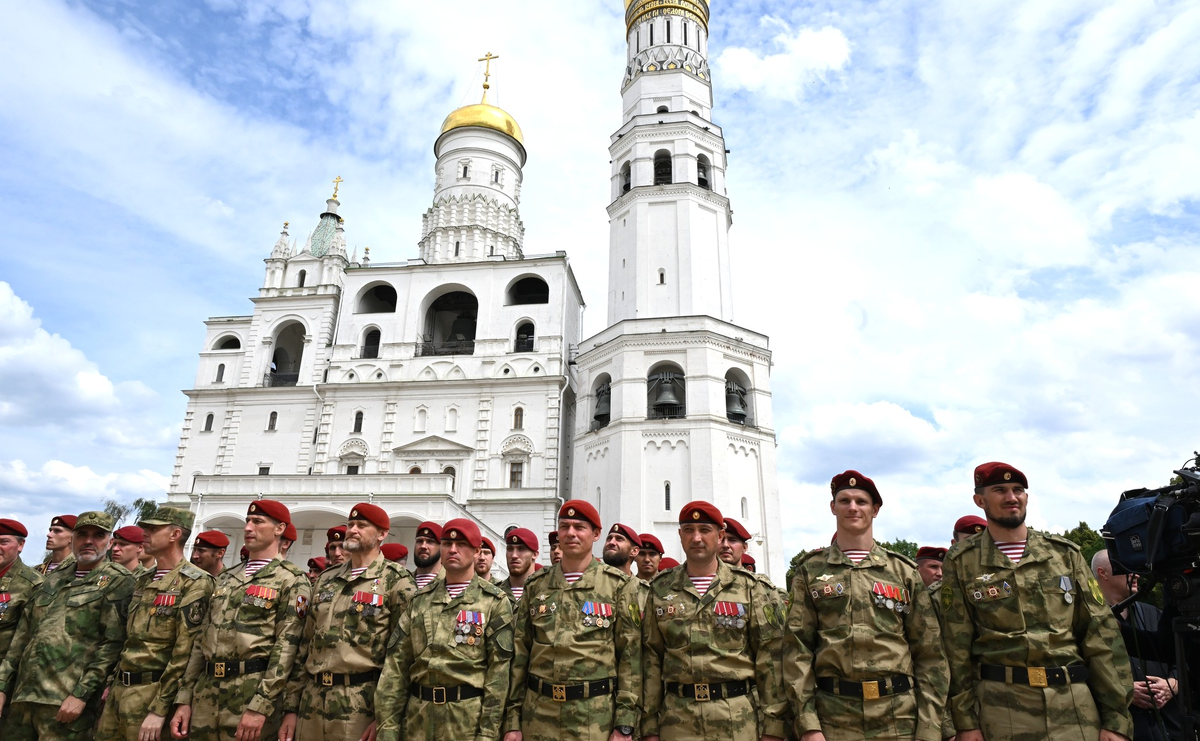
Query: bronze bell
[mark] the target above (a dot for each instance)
(603, 404)
(735, 404)
(666, 391)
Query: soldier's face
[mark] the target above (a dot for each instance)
(520, 559)
(483, 562)
(59, 537)
(854, 510)
(206, 558)
(1004, 504)
(158, 538)
(647, 561)
(261, 532)
(458, 555)
(126, 553)
(335, 553)
(618, 550)
(426, 552)
(361, 535)
(576, 537)
(931, 570)
(10, 549)
(89, 545)
(701, 541)
(555, 554)
(732, 549)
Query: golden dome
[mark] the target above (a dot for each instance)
(487, 116)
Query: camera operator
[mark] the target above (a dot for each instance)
(1155, 687)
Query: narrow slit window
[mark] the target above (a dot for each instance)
(667, 496)
(272, 421)
(668, 31)
(685, 34)
(208, 423)
(220, 373)
(518, 419)
(358, 420)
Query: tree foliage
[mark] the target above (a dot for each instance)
(140, 509)
(1088, 540)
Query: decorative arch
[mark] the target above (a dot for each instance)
(663, 169)
(370, 342)
(527, 289)
(288, 354)
(227, 342)
(602, 406)
(666, 391)
(450, 313)
(376, 298)
(739, 398)
(526, 336)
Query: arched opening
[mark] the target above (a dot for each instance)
(208, 423)
(415, 471)
(449, 471)
(220, 374)
(663, 109)
(666, 392)
(702, 168)
(525, 338)
(602, 391)
(450, 325)
(358, 420)
(738, 399)
(745, 509)
(272, 420)
(300, 278)
(289, 352)
(228, 343)
(626, 177)
(518, 419)
(378, 299)
(662, 167)
(531, 290)
(662, 277)
(370, 346)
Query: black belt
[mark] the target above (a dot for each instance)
(1035, 676)
(129, 679)
(703, 691)
(564, 692)
(225, 669)
(329, 679)
(873, 690)
(443, 695)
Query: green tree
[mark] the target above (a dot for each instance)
(903, 547)
(1088, 540)
(140, 508)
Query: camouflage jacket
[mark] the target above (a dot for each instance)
(242, 625)
(437, 644)
(553, 643)
(69, 637)
(345, 632)
(861, 622)
(43, 568)
(16, 587)
(734, 631)
(1039, 612)
(164, 619)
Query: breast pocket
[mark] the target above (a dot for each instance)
(996, 605)
(832, 603)
(81, 598)
(543, 622)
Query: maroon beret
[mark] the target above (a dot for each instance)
(701, 511)
(373, 514)
(552, 538)
(212, 539)
(522, 536)
(989, 474)
(130, 534)
(317, 563)
(429, 530)
(335, 534)
(67, 521)
(275, 510)
(538, 567)
(737, 530)
(667, 563)
(244, 553)
(970, 524)
(931, 552)
(12, 527)
(627, 532)
(747, 559)
(394, 552)
(289, 533)
(487, 543)
(577, 509)
(461, 528)
(855, 480)
(651, 543)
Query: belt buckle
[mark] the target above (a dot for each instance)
(436, 701)
(1037, 677)
(703, 693)
(127, 678)
(327, 679)
(558, 692)
(219, 669)
(870, 690)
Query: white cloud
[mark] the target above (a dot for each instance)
(805, 57)
(34, 495)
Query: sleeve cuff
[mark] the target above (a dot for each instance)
(625, 717)
(774, 727)
(260, 704)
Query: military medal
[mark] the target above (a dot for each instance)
(1064, 583)
(367, 603)
(468, 626)
(261, 596)
(604, 611)
(164, 601)
(5, 598)
(588, 609)
(730, 614)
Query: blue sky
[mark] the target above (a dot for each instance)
(970, 230)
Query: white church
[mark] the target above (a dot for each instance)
(457, 384)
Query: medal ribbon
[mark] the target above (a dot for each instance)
(5, 597)
(606, 610)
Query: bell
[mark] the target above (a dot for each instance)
(666, 391)
(463, 328)
(735, 406)
(603, 405)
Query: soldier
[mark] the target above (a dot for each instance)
(748, 563)
(555, 552)
(966, 526)
(164, 617)
(666, 563)
(127, 545)
(58, 542)
(290, 536)
(355, 608)
(396, 553)
(735, 542)
(448, 665)
(483, 561)
(621, 547)
(1033, 653)
(863, 656)
(237, 675)
(68, 641)
(713, 634)
(929, 565)
(427, 553)
(521, 554)
(577, 667)
(18, 582)
(649, 554)
(208, 552)
(147, 562)
(316, 566)
(335, 554)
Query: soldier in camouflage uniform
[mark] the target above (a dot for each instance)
(713, 635)
(555, 553)
(58, 542)
(164, 618)
(355, 608)
(863, 656)
(127, 545)
(17, 583)
(1033, 654)
(521, 550)
(236, 678)
(67, 642)
(448, 666)
(577, 670)
(649, 554)
(335, 550)
(208, 551)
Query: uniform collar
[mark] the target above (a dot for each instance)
(374, 570)
(470, 594)
(1035, 550)
(876, 557)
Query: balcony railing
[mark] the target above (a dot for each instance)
(452, 347)
(523, 345)
(280, 379)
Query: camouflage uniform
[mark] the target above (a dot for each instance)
(733, 634)
(66, 644)
(935, 591)
(255, 619)
(1037, 613)
(346, 634)
(16, 588)
(554, 644)
(164, 619)
(436, 645)
(67, 564)
(862, 623)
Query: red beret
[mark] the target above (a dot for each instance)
(627, 532)
(462, 529)
(289, 533)
(931, 552)
(429, 530)
(394, 552)
(522, 536)
(701, 511)
(988, 474)
(67, 521)
(212, 539)
(747, 559)
(552, 537)
(130, 534)
(275, 510)
(577, 509)
(244, 553)
(649, 542)
(12, 527)
(487, 543)
(335, 534)
(317, 563)
(737, 530)
(667, 563)
(970, 524)
(538, 567)
(373, 514)
(855, 480)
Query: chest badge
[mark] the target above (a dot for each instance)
(824, 577)
(730, 614)
(1064, 583)
(468, 627)
(985, 578)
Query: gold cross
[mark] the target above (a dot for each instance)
(336, 184)
(487, 71)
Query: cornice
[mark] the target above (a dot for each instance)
(674, 190)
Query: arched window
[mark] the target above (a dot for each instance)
(419, 420)
(208, 423)
(380, 299)
(414, 471)
(663, 109)
(272, 420)
(370, 348)
(358, 420)
(220, 374)
(662, 167)
(745, 509)
(300, 278)
(626, 177)
(525, 338)
(603, 393)
(662, 277)
(531, 290)
(229, 343)
(518, 419)
(666, 392)
(466, 170)
(450, 325)
(449, 471)
(287, 357)
(667, 496)
(702, 172)
(739, 402)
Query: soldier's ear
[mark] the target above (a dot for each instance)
(978, 497)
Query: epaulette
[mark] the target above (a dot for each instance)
(614, 571)
(296, 570)
(962, 546)
(492, 589)
(120, 569)
(933, 588)
(29, 574)
(762, 579)
(1061, 539)
(660, 575)
(536, 575)
(902, 557)
(191, 571)
(393, 566)
(804, 557)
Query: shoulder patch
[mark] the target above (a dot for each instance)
(1060, 540)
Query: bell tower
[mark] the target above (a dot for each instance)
(674, 399)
